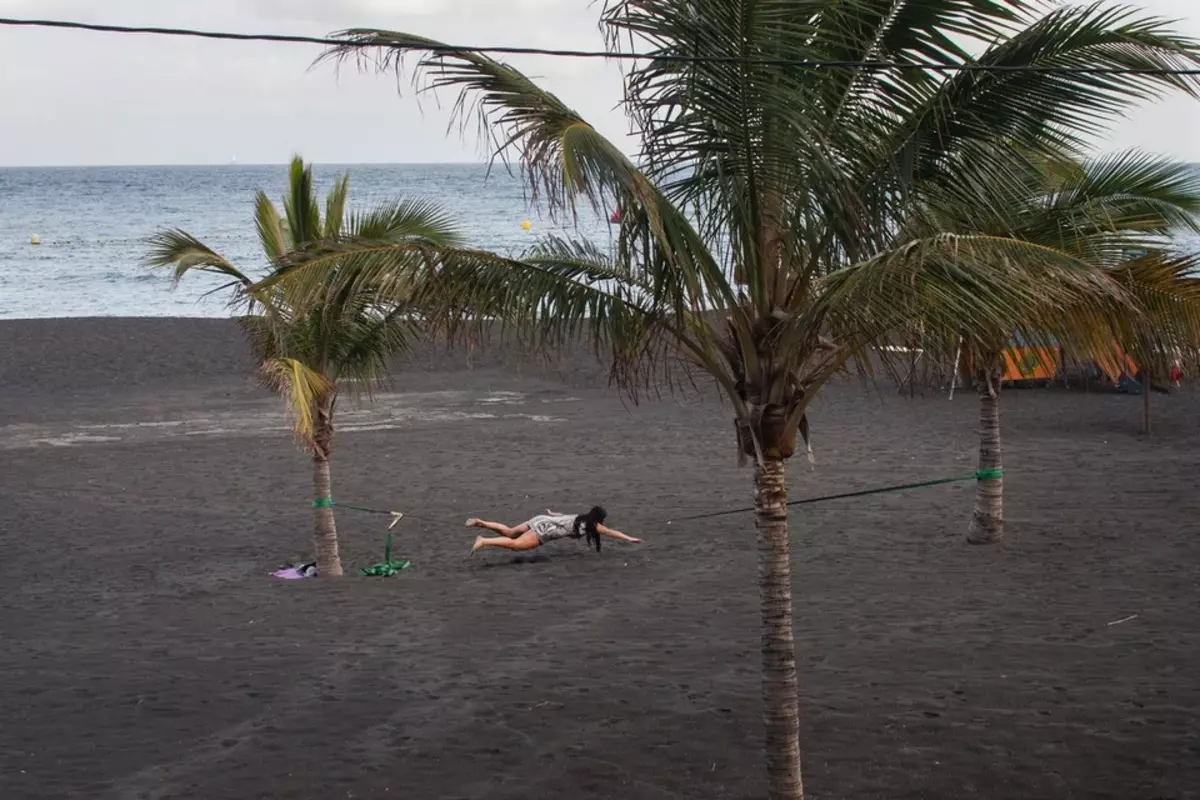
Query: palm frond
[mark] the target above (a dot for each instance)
(560, 292)
(300, 205)
(1166, 292)
(402, 220)
(524, 112)
(1049, 109)
(984, 287)
(273, 237)
(179, 249)
(718, 128)
(1129, 192)
(301, 387)
(564, 159)
(555, 294)
(1097, 209)
(367, 342)
(263, 336)
(335, 208)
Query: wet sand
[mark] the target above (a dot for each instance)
(150, 487)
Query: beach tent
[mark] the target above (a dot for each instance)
(1026, 362)
(1116, 364)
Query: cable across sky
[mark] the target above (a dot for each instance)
(449, 49)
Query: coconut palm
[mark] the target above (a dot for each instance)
(759, 237)
(339, 340)
(1096, 211)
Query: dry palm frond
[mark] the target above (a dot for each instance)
(302, 388)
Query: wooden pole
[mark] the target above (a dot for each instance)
(1146, 384)
(912, 373)
(957, 356)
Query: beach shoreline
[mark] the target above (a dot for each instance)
(152, 485)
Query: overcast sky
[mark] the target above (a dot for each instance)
(89, 98)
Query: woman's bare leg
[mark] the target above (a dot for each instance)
(499, 527)
(525, 541)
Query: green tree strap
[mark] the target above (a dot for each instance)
(989, 474)
(323, 502)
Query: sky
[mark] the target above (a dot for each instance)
(76, 98)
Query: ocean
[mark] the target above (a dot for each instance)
(93, 223)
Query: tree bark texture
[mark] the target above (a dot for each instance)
(781, 713)
(987, 522)
(325, 541)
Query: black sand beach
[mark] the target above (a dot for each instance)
(150, 487)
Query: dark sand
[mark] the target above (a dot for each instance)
(149, 487)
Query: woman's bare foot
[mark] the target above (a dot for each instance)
(478, 545)
(472, 522)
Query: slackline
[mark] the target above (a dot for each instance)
(980, 475)
(327, 502)
(983, 474)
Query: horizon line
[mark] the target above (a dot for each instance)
(252, 164)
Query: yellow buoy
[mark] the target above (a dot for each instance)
(35, 239)
(526, 225)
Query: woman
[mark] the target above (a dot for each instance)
(546, 528)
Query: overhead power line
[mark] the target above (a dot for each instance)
(449, 49)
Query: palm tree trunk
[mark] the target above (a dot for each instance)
(781, 714)
(325, 542)
(987, 523)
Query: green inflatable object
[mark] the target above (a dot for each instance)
(386, 568)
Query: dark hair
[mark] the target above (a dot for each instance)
(588, 522)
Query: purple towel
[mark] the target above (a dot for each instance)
(296, 572)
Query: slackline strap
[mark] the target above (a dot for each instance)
(981, 475)
(327, 502)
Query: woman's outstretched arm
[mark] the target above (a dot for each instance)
(605, 531)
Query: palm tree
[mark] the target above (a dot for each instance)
(1095, 211)
(759, 238)
(340, 340)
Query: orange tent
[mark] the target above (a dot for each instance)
(1116, 364)
(1030, 363)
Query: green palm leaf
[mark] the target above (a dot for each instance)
(335, 208)
(185, 253)
(273, 237)
(1047, 109)
(300, 205)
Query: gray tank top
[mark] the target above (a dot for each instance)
(549, 528)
